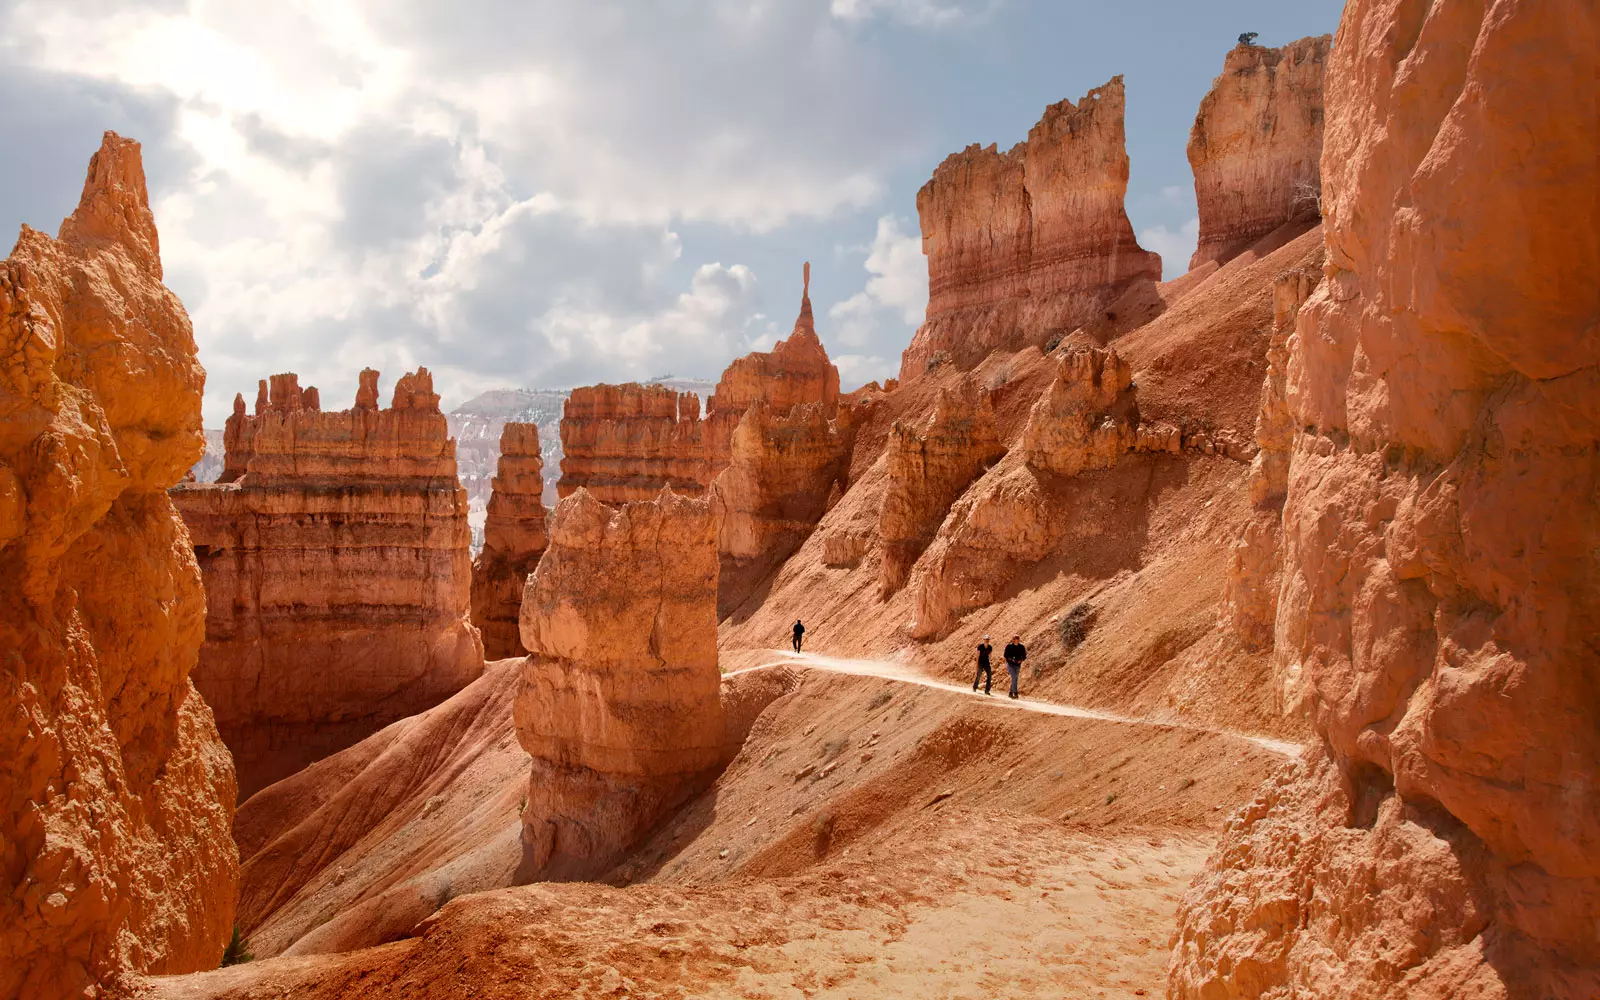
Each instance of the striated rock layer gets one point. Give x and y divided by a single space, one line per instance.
628 442
513 540
116 794
1030 243
1256 146
618 704
337 573
1440 595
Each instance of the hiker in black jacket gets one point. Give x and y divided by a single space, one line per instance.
1015 653
984 674
799 631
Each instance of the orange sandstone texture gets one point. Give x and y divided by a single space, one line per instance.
1256 146
116 794
1031 243
1440 600
627 442
513 540
618 704
337 573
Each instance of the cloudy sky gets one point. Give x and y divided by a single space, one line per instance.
558 192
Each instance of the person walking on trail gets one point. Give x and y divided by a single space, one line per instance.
799 630
1015 653
985 673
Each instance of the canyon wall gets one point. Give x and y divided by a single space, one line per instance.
1440 596
116 794
618 704
1032 243
513 540
627 442
337 574
1256 146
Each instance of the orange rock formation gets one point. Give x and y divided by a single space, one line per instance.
337 573
513 540
796 371
1440 600
1087 419
1030 243
929 466
627 442
116 794
1256 145
619 700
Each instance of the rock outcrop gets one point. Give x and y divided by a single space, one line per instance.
1440 596
619 703
116 794
1087 419
337 573
795 371
1256 146
1031 243
784 469
929 467
513 540
628 442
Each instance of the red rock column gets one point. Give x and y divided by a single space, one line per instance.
627 442
513 541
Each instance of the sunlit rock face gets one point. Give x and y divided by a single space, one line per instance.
513 540
337 569
618 704
1032 243
627 442
1256 146
116 794
1440 595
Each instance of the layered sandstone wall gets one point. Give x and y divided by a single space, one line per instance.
513 540
337 573
1030 243
627 442
1440 592
1256 146
619 703
116 794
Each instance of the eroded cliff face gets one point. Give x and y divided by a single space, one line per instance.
513 540
795 371
117 792
337 573
929 466
628 442
1439 604
1031 243
1256 146
618 704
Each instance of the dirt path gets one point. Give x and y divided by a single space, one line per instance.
903 673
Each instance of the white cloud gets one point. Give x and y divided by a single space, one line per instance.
879 319
1175 248
923 13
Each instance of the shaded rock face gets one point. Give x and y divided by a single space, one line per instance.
337 573
1087 419
769 499
618 704
513 540
1031 243
1256 146
1439 603
628 442
929 467
795 371
116 794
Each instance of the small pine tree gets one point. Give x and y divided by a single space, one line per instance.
238 950
1248 37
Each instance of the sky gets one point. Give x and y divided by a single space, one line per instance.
547 193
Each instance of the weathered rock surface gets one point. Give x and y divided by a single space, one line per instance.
116 794
930 466
618 704
783 471
1256 146
795 371
1087 419
628 442
1030 243
337 574
1440 596
513 540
